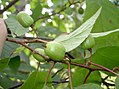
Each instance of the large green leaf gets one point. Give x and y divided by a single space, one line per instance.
117 82
8 49
75 38
107 56
89 86
4 63
108 19
15 27
36 81
79 75
14 63
105 24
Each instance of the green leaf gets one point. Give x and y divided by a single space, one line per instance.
107 56
75 38
108 40
15 27
117 82
79 75
8 49
14 63
37 11
5 82
4 63
36 81
108 19
89 86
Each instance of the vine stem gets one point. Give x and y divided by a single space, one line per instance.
87 76
53 64
72 63
104 68
69 73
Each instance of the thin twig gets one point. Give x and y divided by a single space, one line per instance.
8 6
57 72
26 46
37 68
43 17
104 68
28 40
87 76
70 77
53 64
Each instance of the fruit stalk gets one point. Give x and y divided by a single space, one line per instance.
3 34
70 77
52 66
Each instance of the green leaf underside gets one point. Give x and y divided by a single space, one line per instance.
103 33
75 38
5 82
117 82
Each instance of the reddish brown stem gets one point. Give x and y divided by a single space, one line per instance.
37 68
87 76
28 40
26 46
69 73
104 68
53 64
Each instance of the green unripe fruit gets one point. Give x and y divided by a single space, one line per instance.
37 56
88 43
55 51
24 19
